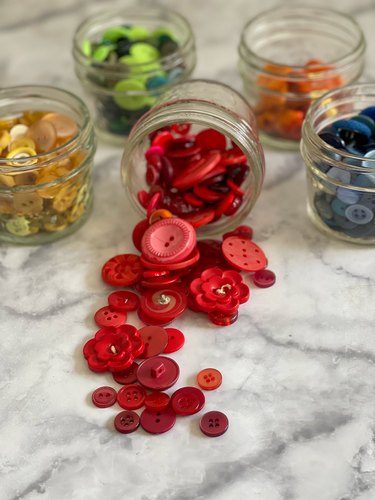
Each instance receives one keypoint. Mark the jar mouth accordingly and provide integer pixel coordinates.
(347, 29)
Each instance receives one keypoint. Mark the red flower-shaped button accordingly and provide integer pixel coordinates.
(187, 401)
(126, 422)
(122, 270)
(123, 301)
(113, 349)
(131, 397)
(164, 304)
(104, 397)
(107, 317)
(244, 254)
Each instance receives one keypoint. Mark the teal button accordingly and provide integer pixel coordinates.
(339, 207)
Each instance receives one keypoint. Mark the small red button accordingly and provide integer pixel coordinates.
(126, 422)
(244, 254)
(123, 301)
(200, 217)
(155, 339)
(138, 232)
(103, 397)
(148, 321)
(209, 379)
(157, 401)
(214, 423)
(157, 422)
(158, 373)
(131, 397)
(187, 401)
(122, 270)
(164, 304)
(176, 340)
(264, 278)
(107, 317)
(128, 376)
(220, 319)
(243, 231)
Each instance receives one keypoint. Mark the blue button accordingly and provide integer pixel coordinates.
(367, 121)
(364, 180)
(359, 214)
(370, 111)
(343, 222)
(371, 156)
(332, 138)
(339, 207)
(348, 196)
(156, 81)
(339, 174)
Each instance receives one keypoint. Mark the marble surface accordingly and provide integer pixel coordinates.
(298, 366)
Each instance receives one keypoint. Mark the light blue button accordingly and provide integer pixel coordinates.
(175, 74)
(348, 196)
(339, 207)
(339, 174)
(364, 180)
(359, 214)
(370, 155)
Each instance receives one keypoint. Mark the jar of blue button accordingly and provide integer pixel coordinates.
(126, 59)
(338, 148)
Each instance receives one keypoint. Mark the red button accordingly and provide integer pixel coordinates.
(187, 401)
(164, 304)
(196, 171)
(209, 379)
(220, 319)
(131, 397)
(103, 397)
(200, 217)
(138, 233)
(158, 373)
(181, 128)
(123, 301)
(151, 321)
(211, 139)
(157, 401)
(168, 240)
(107, 317)
(160, 281)
(264, 278)
(214, 423)
(155, 339)
(244, 254)
(157, 422)
(128, 376)
(122, 270)
(190, 260)
(126, 422)
(243, 231)
(176, 340)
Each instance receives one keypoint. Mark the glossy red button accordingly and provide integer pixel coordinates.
(152, 321)
(138, 232)
(157, 401)
(264, 278)
(187, 401)
(123, 301)
(103, 397)
(164, 304)
(122, 270)
(244, 254)
(160, 281)
(131, 397)
(196, 171)
(155, 339)
(211, 139)
(243, 231)
(176, 340)
(214, 423)
(126, 422)
(168, 241)
(200, 217)
(190, 260)
(158, 373)
(128, 376)
(209, 379)
(220, 319)
(107, 317)
(157, 422)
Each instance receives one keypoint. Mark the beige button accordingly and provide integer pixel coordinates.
(65, 126)
(18, 131)
(19, 226)
(27, 203)
(64, 198)
(43, 133)
(7, 180)
(25, 178)
(6, 204)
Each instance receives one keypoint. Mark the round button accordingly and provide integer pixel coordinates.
(244, 254)
(187, 401)
(189, 261)
(123, 301)
(158, 373)
(164, 304)
(347, 196)
(106, 317)
(126, 422)
(103, 397)
(65, 126)
(157, 422)
(131, 397)
(157, 401)
(359, 214)
(128, 376)
(168, 240)
(155, 339)
(220, 319)
(264, 278)
(122, 270)
(151, 321)
(176, 340)
(138, 233)
(214, 423)
(43, 133)
(196, 171)
(209, 379)
(211, 139)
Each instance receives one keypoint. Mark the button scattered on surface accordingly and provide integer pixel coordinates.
(103, 397)
(106, 317)
(158, 422)
(126, 422)
(123, 301)
(176, 340)
(155, 339)
(157, 401)
(187, 401)
(214, 423)
(158, 373)
(209, 379)
(131, 397)
(244, 254)
(128, 376)
(264, 278)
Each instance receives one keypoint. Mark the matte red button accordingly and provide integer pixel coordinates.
(176, 340)
(157, 422)
(158, 373)
(164, 304)
(155, 339)
(244, 254)
(157, 401)
(168, 240)
(103, 397)
(123, 301)
(187, 401)
(214, 423)
(106, 317)
(264, 278)
(128, 376)
(126, 422)
(209, 379)
(131, 397)
(122, 270)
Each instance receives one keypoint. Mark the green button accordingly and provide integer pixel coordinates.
(115, 33)
(136, 33)
(144, 52)
(86, 47)
(19, 226)
(131, 102)
(163, 32)
(102, 52)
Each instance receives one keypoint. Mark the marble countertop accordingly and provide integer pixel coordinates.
(298, 366)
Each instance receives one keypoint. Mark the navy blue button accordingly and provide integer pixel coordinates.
(333, 139)
(367, 121)
(352, 131)
(370, 111)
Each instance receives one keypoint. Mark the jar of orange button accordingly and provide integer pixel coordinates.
(47, 146)
(289, 57)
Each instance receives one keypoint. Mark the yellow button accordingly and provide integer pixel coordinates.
(4, 140)
(55, 223)
(7, 180)
(76, 213)
(64, 198)
(19, 226)
(23, 142)
(16, 153)
(27, 203)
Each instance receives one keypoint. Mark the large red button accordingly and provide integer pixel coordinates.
(264, 278)
(126, 422)
(131, 397)
(168, 240)
(176, 340)
(214, 423)
(158, 373)
(209, 379)
(164, 304)
(155, 339)
(128, 376)
(123, 301)
(211, 139)
(195, 172)
(103, 397)
(189, 261)
(107, 317)
(244, 254)
(157, 401)
(122, 270)
(187, 401)
(157, 422)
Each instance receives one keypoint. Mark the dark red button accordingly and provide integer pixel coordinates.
(176, 340)
(244, 254)
(242, 231)
(160, 281)
(220, 319)
(157, 401)
(187, 401)
(211, 139)
(209, 379)
(123, 301)
(264, 278)
(158, 373)
(214, 423)
(126, 422)
(164, 304)
(155, 339)
(107, 317)
(131, 397)
(138, 233)
(103, 397)
(128, 376)
(122, 270)
(157, 422)
(200, 217)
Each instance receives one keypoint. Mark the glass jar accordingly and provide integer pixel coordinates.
(337, 180)
(290, 56)
(202, 104)
(122, 92)
(45, 196)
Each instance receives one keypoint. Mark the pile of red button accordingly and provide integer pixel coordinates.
(198, 177)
